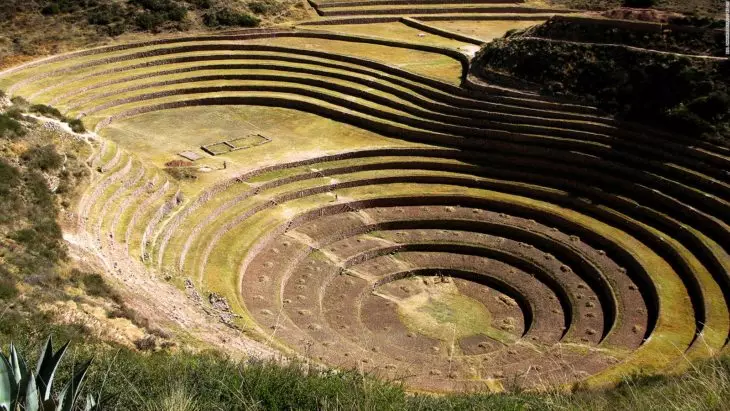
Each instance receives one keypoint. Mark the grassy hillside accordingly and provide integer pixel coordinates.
(206, 381)
(71, 24)
(682, 93)
(701, 7)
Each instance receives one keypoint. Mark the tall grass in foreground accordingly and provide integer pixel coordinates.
(164, 381)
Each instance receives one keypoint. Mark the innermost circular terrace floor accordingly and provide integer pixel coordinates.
(436, 308)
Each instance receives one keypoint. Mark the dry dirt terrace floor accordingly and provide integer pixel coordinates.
(369, 204)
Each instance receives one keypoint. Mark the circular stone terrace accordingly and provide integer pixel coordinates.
(405, 218)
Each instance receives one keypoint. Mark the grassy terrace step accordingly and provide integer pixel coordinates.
(373, 122)
(127, 203)
(616, 182)
(217, 82)
(220, 44)
(368, 46)
(534, 18)
(111, 191)
(394, 30)
(431, 9)
(318, 88)
(230, 196)
(611, 290)
(530, 261)
(628, 226)
(142, 215)
(423, 96)
(376, 79)
(108, 177)
(111, 208)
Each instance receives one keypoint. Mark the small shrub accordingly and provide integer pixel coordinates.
(146, 343)
(226, 17)
(201, 4)
(10, 127)
(714, 107)
(182, 173)
(8, 290)
(265, 6)
(19, 102)
(148, 21)
(47, 111)
(43, 158)
(158, 12)
(77, 126)
(15, 113)
(51, 9)
(106, 14)
(114, 30)
(131, 315)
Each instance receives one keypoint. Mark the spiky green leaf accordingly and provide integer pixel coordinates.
(20, 369)
(32, 396)
(47, 366)
(70, 394)
(8, 387)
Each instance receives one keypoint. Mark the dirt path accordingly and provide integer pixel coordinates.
(162, 303)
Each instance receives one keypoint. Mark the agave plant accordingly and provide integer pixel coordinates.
(22, 389)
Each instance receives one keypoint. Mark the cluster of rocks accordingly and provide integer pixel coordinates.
(219, 306)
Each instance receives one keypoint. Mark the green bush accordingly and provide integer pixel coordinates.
(106, 14)
(67, 6)
(51, 9)
(201, 4)
(20, 102)
(265, 6)
(77, 126)
(10, 127)
(47, 111)
(43, 158)
(8, 290)
(159, 11)
(148, 21)
(226, 17)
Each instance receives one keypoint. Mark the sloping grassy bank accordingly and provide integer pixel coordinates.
(178, 381)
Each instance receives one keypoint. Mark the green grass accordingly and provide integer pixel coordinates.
(486, 30)
(440, 311)
(207, 381)
(393, 31)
